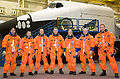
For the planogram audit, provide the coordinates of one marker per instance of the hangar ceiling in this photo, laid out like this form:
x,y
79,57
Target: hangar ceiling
x,y
12,8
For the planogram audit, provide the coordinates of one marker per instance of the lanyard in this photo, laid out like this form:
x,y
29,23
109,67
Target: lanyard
x,y
56,43
69,47
103,38
83,45
13,47
42,43
29,46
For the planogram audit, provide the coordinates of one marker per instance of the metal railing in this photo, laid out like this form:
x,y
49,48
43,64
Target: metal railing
x,y
47,27
2,59
77,25
91,24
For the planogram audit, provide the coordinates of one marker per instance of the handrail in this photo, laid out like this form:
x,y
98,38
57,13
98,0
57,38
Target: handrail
x,y
43,26
54,23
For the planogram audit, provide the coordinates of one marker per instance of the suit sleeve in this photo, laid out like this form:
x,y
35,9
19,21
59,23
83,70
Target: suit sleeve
x,y
64,46
36,43
48,42
62,41
21,46
96,40
21,43
4,42
92,43
112,39
77,44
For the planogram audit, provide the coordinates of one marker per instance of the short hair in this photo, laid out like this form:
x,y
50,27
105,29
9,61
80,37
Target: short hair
x,y
102,25
55,28
41,28
12,28
28,31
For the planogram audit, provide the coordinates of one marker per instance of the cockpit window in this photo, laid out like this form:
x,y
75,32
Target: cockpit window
x,y
58,5
55,5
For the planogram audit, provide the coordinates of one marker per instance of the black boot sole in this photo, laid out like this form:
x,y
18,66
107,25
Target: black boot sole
x,y
21,76
5,77
12,75
61,73
102,75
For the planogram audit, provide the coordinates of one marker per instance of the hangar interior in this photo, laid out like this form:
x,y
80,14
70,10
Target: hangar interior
x,y
10,9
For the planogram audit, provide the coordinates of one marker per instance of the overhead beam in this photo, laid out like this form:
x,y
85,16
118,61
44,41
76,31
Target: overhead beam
x,y
100,2
36,2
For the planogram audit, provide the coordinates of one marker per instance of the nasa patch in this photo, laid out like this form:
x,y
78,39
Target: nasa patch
x,y
26,46
71,46
39,45
72,42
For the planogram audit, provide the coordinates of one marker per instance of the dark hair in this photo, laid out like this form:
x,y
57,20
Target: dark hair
x,y
12,28
102,25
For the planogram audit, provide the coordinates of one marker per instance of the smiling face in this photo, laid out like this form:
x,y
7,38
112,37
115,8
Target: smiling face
x,y
41,31
28,33
55,31
85,31
13,31
102,27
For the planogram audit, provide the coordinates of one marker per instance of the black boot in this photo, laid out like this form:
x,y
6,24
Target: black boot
x,y
12,74
30,73
93,74
51,72
5,75
21,74
74,73
82,72
35,72
103,73
71,72
60,71
47,72
116,75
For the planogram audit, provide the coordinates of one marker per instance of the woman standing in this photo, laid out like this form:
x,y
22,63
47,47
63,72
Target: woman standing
x,y
70,52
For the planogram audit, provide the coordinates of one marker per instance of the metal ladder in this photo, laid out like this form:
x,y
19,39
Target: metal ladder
x,y
47,28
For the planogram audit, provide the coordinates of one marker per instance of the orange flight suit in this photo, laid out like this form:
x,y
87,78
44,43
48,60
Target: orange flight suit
x,y
70,50
41,43
11,45
87,44
27,52
55,43
105,42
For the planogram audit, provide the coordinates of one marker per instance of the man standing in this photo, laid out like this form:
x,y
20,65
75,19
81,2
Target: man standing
x,y
41,41
27,48
105,43
10,47
86,42
55,46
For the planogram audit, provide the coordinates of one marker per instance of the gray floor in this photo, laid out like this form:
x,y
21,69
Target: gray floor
x,y
42,75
